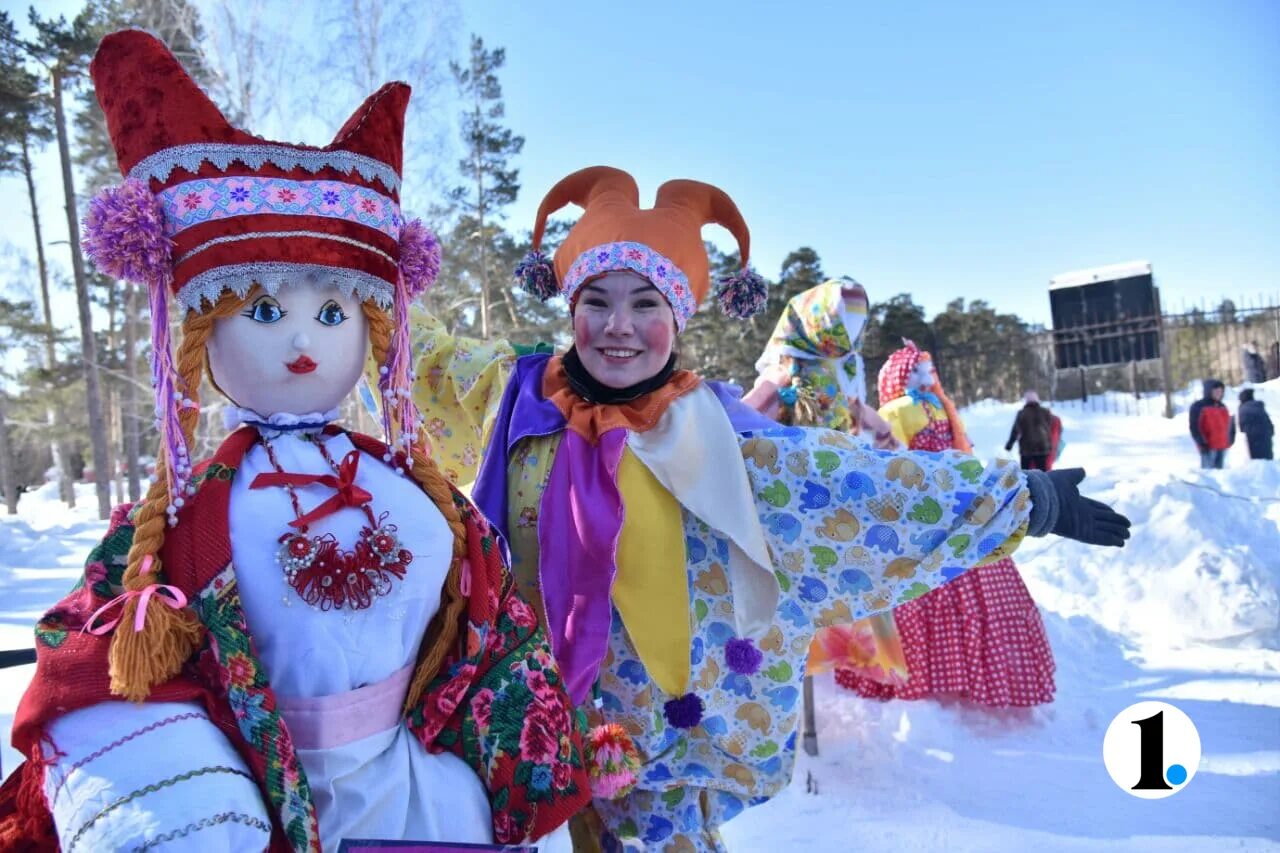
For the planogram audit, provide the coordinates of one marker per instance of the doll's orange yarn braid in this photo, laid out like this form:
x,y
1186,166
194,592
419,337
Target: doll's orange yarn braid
x,y
443,631
139,660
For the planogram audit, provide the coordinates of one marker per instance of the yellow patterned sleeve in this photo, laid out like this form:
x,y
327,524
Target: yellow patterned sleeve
x,y
458,388
905,418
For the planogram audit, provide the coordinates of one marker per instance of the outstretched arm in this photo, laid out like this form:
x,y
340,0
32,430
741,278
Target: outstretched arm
x,y
869,530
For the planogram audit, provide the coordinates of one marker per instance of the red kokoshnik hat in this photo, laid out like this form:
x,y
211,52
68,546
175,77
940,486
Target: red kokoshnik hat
x,y
207,208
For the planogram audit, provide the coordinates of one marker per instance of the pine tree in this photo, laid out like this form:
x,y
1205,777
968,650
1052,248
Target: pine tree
x,y
26,125
492,183
20,327
64,50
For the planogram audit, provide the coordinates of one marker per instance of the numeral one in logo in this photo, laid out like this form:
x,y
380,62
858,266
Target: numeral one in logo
x,y
1151,754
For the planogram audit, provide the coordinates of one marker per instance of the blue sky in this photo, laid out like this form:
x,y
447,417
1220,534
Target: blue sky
x,y
940,149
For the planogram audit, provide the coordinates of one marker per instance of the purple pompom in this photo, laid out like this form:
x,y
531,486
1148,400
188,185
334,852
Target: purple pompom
x,y
536,275
743,294
685,712
742,656
419,258
124,234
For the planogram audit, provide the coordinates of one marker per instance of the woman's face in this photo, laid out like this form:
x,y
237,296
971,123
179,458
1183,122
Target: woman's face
x,y
297,352
623,329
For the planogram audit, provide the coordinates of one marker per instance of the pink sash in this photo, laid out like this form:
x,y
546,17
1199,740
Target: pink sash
x,y
325,722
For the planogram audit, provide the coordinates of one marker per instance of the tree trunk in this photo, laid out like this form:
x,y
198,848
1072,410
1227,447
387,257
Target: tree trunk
x,y
7,484
129,413
111,396
477,154
57,446
93,393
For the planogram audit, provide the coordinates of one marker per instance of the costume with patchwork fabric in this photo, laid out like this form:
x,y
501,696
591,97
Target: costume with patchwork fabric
x,y
684,500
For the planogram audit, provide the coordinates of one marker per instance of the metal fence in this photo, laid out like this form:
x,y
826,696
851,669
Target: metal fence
x,y
1128,366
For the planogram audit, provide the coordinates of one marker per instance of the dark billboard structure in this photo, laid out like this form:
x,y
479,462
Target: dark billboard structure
x,y
1105,315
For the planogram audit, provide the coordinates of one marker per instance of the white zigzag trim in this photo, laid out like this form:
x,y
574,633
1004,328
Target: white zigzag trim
x,y
272,275
221,154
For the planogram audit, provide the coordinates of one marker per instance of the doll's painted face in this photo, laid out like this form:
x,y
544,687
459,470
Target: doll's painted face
x,y
297,352
623,329
921,375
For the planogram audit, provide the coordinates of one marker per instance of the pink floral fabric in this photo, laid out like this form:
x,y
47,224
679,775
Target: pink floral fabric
x,y
661,272
207,199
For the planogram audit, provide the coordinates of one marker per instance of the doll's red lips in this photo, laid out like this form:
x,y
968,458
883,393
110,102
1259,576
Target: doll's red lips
x,y
302,364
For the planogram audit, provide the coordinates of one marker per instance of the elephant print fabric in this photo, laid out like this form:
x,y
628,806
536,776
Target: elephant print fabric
x,y
836,559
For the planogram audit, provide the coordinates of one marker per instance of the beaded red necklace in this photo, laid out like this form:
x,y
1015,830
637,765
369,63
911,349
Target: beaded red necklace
x,y
325,576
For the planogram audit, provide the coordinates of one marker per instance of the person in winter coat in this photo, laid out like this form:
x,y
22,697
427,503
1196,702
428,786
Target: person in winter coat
x,y
1255,368
1212,427
1056,443
1256,425
1033,432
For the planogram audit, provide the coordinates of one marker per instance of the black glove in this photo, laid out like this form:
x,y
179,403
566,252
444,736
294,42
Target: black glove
x,y
1085,519
1009,446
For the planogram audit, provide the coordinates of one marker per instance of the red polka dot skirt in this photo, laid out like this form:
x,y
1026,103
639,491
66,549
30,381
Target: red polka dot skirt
x,y
978,637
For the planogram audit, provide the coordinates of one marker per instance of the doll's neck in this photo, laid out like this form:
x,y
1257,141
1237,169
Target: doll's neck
x,y
278,423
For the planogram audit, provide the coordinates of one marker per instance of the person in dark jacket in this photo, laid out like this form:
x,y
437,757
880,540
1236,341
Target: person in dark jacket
x,y
1256,425
1033,431
1212,427
1255,367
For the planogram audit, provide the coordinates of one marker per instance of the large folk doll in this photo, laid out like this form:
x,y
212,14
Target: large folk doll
x,y
811,373
682,549
316,633
980,637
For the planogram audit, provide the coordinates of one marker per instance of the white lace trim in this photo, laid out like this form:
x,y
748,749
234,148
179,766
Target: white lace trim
x,y
272,275
221,154
312,422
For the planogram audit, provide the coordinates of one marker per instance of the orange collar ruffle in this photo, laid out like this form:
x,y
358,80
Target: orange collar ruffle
x,y
592,420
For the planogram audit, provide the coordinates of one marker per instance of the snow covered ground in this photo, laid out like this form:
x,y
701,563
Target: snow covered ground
x,y
1189,613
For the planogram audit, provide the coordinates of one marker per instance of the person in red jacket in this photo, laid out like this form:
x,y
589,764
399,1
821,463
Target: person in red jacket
x,y
1212,427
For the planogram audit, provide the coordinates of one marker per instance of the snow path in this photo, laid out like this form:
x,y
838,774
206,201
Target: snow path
x,y
1189,613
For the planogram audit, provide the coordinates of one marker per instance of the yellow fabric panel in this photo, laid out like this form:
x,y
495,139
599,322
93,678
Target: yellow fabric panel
x,y
458,389
528,471
905,419
651,590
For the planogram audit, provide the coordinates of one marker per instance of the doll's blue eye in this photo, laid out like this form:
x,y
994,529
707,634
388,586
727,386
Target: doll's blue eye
x,y
331,314
265,311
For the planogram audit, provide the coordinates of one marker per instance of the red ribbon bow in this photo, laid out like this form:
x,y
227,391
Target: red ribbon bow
x,y
348,493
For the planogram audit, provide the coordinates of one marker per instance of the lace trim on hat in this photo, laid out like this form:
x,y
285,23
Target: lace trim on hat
x,y
221,154
272,275
661,272
209,199
256,235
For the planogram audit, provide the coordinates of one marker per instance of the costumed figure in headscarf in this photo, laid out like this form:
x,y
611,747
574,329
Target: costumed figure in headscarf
x,y
812,374
979,637
311,635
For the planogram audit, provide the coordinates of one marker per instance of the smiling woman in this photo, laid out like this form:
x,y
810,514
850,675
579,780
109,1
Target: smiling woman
x,y
623,330
680,548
